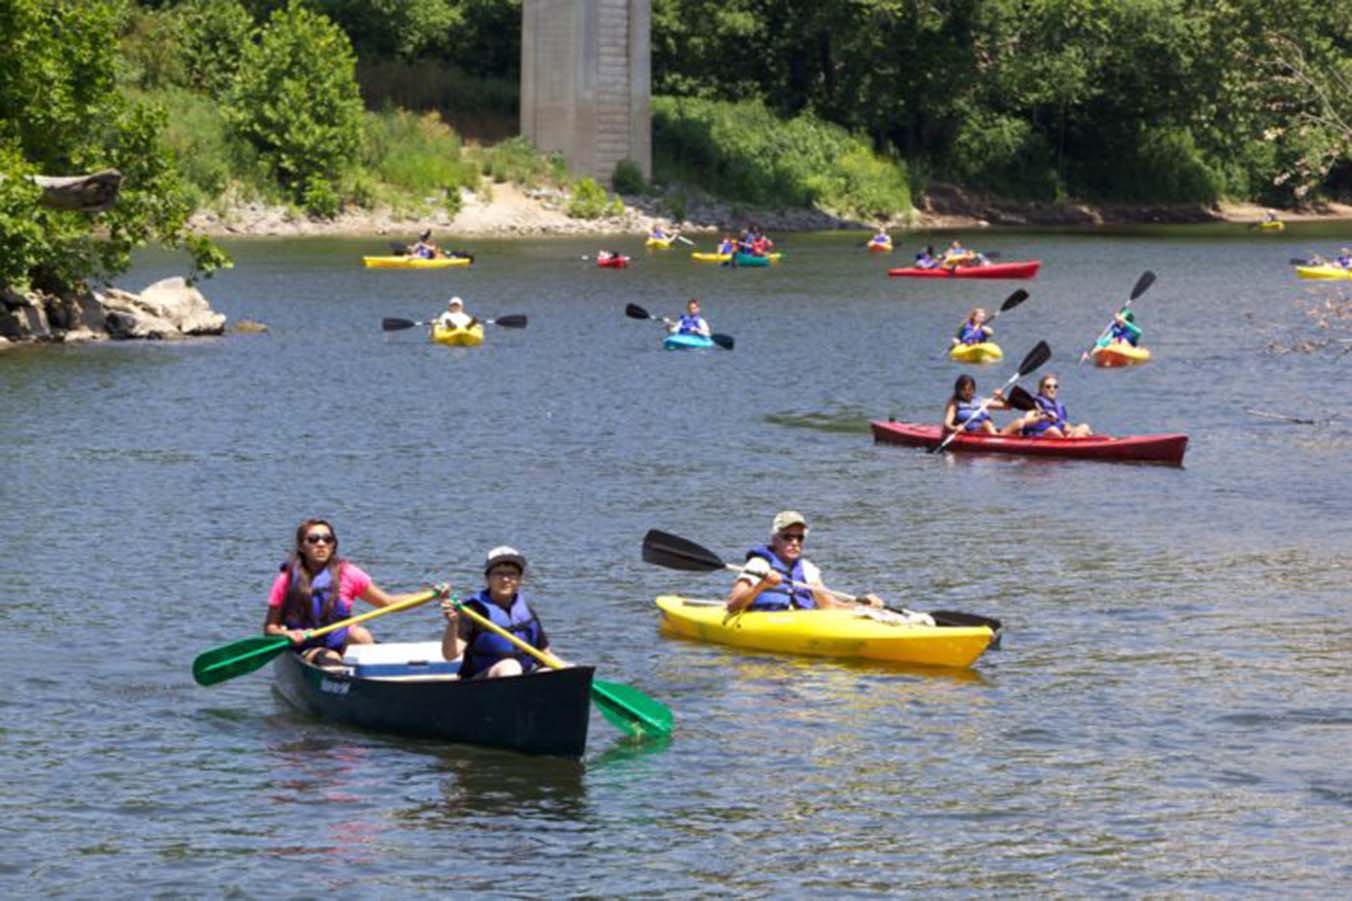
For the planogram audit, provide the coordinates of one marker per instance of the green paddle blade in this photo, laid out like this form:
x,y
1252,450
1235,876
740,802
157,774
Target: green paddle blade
x,y
631,710
237,658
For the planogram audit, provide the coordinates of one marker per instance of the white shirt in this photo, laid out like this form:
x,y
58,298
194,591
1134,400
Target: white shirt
x,y
454,320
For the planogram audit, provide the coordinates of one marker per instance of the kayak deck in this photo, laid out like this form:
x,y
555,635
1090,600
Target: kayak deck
x,y
472,336
1119,353
389,262
1018,269
1165,448
686,342
983,352
845,633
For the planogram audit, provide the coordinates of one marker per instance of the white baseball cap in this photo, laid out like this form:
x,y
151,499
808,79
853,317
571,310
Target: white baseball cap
x,y
504,554
786,518
455,302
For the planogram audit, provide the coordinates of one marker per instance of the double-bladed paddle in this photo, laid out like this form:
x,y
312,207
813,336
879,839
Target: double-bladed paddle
x,y
623,705
634,311
674,552
394,325
1040,354
249,654
1142,285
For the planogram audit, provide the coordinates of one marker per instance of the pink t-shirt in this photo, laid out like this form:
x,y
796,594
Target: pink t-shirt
x,y
352,583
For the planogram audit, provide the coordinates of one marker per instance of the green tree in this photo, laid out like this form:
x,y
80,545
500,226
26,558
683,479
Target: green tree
x,y
61,113
295,100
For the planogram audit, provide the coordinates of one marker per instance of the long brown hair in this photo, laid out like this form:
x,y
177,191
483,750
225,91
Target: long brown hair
x,y
297,605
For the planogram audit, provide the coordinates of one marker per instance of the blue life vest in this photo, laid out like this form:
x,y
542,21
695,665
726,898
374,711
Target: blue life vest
x,y
1124,333
319,593
782,596
690,325
1046,405
486,648
1344,261
925,261
971,334
966,416
726,247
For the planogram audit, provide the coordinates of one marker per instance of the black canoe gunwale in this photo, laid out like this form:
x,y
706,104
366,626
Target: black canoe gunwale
x,y
547,712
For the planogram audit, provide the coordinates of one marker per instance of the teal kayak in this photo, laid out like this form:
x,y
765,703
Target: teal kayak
x,y
746,259
686,342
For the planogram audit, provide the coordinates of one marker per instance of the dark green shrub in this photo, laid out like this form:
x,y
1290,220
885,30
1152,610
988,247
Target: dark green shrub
x,y
1005,155
215,33
628,178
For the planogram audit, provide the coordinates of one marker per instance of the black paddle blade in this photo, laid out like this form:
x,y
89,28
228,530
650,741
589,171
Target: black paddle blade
x,y
513,321
398,250
955,618
1036,357
723,341
1143,284
1014,300
634,311
1020,399
1297,261
393,325
675,552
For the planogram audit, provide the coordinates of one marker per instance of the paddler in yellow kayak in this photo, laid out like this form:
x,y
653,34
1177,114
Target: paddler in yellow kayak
x,y
762,583
455,316
973,329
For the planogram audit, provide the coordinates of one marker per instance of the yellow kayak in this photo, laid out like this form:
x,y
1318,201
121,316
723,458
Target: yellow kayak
x,y
406,262
724,257
660,243
1119,353
1326,271
984,352
1275,226
859,634
471,336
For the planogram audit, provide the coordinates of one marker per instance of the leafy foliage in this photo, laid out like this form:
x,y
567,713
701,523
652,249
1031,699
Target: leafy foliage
x,y
627,178
590,201
62,112
295,100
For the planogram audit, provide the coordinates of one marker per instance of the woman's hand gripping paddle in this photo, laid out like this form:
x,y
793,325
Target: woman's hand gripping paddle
x,y
1040,354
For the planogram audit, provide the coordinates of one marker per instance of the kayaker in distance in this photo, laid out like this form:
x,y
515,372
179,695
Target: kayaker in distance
x,y
1123,329
727,245
926,259
761,583
974,329
957,255
485,654
690,323
961,410
316,587
1049,419
455,316
424,248
658,233
1344,258
881,238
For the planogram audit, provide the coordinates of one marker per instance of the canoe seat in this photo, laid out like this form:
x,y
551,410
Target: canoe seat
x,y
409,658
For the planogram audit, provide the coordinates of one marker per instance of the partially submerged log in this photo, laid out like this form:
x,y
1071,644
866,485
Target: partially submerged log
x,y
91,193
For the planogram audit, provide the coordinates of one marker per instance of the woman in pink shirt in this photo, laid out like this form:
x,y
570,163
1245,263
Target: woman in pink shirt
x,y
303,595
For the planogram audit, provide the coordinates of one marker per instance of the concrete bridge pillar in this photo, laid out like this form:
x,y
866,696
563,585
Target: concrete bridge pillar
x,y
586,82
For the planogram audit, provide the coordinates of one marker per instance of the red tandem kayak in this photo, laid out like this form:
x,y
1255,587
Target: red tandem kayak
x,y
613,262
1020,269
1167,448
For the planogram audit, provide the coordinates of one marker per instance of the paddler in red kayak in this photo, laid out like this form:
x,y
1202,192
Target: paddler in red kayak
x,y
957,255
1049,420
762,583
926,259
963,411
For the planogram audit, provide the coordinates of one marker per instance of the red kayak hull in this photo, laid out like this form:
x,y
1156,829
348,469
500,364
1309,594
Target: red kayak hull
x,y
1166,448
613,263
1021,269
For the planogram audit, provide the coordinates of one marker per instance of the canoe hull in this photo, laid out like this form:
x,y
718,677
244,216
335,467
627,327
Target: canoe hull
x,y
414,262
1324,272
1165,448
1022,269
459,337
825,633
546,712
1118,354
686,342
985,352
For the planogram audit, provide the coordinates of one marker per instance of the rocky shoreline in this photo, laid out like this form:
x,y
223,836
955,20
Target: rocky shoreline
x,y
510,211
169,309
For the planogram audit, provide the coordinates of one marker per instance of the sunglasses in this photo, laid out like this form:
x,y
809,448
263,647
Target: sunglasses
x,y
799,537
1051,385
504,574
319,539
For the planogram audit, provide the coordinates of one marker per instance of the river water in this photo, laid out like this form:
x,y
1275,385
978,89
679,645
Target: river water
x,y
1169,713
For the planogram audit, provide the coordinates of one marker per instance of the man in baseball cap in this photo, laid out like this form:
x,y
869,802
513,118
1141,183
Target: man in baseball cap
x,y
778,577
484,653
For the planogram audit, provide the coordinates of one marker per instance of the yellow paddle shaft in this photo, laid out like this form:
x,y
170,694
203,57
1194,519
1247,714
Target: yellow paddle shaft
x,y
547,659
429,595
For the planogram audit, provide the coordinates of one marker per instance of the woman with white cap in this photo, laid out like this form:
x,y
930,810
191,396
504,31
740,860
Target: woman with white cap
x,y
762,583
455,316
486,654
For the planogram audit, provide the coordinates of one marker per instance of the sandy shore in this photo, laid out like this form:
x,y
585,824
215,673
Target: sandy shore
x,y
510,211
